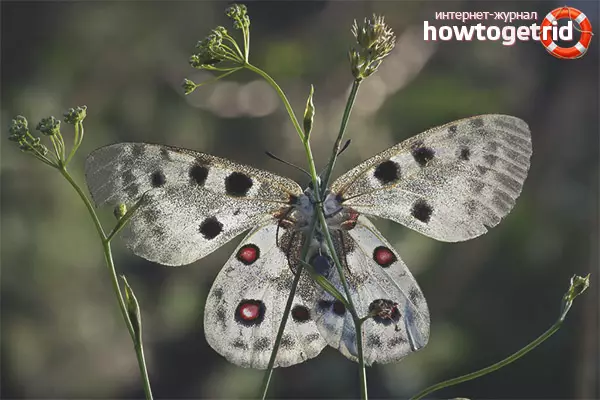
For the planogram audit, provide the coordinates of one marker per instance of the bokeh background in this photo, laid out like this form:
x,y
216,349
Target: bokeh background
x,y
62,334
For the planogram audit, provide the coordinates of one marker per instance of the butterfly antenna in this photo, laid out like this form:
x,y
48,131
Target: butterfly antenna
x,y
274,157
344,147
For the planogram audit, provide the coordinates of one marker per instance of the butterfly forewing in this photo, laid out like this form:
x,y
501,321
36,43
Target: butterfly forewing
x,y
450,182
192,202
381,285
246,303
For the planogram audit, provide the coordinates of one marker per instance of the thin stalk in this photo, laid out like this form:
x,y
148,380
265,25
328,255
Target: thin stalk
x,y
356,319
338,141
324,182
115,283
286,312
216,78
321,216
232,41
508,360
312,226
78,127
283,97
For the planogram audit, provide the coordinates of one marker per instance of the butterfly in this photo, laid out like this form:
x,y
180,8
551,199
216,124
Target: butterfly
x,y
450,183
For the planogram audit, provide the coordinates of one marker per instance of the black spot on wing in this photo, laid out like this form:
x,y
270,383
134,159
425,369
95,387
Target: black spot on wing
x,y
422,211
476,122
312,337
490,159
165,154
210,228
287,342
262,344
339,308
221,315
240,344
159,233
198,174
218,293
387,172
300,313
452,130
465,154
396,340
374,341
130,186
422,154
323,305
414,295
158,179
238,184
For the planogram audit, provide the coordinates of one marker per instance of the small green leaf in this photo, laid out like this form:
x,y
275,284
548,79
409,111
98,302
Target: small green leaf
x,y
325,284
309,113
133,311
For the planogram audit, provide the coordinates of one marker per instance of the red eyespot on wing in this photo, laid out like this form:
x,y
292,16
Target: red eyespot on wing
x,y
384,256
250,312
248,254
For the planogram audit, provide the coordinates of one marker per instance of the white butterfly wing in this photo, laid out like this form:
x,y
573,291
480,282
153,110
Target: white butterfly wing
x,y
450,182
193,202
246,303
376,277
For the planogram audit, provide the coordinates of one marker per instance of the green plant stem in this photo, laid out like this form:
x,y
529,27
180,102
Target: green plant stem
x,y
493,367
321,216
312,226
338,141
356,319
115,282
286,312
78,127
282,95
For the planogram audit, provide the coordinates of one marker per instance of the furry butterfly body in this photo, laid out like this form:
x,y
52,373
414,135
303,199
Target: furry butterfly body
x,y
450,183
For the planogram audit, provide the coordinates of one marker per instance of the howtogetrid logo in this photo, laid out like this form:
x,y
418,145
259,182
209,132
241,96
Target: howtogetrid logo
x,y
547,33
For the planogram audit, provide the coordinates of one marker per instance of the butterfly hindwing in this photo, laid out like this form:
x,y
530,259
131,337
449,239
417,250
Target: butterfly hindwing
x,y
192,202
450,182
380,283
247,300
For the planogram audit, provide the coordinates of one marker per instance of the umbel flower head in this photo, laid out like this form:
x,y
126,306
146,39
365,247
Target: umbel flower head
x,y
19,133
375,41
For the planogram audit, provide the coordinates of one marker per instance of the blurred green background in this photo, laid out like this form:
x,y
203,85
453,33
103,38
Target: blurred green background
x,y
62,334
